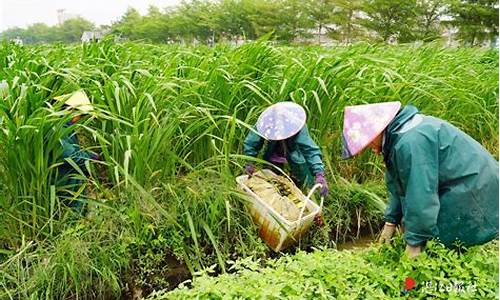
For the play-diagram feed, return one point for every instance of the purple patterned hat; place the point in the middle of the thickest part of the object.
(281, 121)
(363, 123)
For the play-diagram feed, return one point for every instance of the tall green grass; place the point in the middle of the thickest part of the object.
(169, 123)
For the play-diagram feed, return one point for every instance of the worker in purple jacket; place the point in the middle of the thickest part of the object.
(283, 127)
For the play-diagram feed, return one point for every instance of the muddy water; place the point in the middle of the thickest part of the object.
(361, 242)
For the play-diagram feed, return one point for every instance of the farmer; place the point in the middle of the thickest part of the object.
(442, 183)
(283, 126)
(68, 177)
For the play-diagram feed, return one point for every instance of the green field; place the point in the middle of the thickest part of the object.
(169, 125)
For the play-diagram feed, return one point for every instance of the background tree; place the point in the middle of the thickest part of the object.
(128, 24)
(347, 17)
(154, 26)
(71, 30)
(13, 33)
(429, 13)
(345, 21)
(233, 19)
(392, 18)
(35, 33)
(40, 33)
(293, 20)
(476, 20)
(264, 16)
(192, 20)
(320, 12)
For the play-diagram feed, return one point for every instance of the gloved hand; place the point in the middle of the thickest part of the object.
(318, 219)
(249, 169)
(387, 233)
(95, 156)
(320, 178)
(413, 251)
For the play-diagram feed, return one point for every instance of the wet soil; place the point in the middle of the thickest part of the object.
(175, 272)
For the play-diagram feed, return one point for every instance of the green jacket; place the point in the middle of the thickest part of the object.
(68, 176)
(442, 183)
(302, 153)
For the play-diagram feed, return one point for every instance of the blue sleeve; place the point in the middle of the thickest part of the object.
(71, 149)
(310, 150)
(253, 144)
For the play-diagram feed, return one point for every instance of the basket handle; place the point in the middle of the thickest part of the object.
(308, 197)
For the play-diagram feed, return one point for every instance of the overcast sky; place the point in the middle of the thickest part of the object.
(24, 12)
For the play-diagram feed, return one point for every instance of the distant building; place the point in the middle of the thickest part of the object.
(93, 36)
(17, 41)
(63, 16)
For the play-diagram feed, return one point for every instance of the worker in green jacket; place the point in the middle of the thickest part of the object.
(69, 180)
(282, 125)
(442, 183)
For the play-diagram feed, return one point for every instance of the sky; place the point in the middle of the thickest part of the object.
(22, 13)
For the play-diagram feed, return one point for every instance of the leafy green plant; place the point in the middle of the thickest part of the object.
(377, 272)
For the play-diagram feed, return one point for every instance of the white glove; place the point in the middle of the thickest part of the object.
(387, 233)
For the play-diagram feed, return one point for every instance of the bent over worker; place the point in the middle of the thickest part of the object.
(68, 177)
(283, 126)
(442, 183)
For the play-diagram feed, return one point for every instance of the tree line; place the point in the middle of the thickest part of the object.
(345, 21)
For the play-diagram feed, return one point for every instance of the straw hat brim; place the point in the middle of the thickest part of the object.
(77, 100)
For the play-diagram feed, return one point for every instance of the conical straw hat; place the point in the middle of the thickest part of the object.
(281, 121)
(78, 100)
(363, 123)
